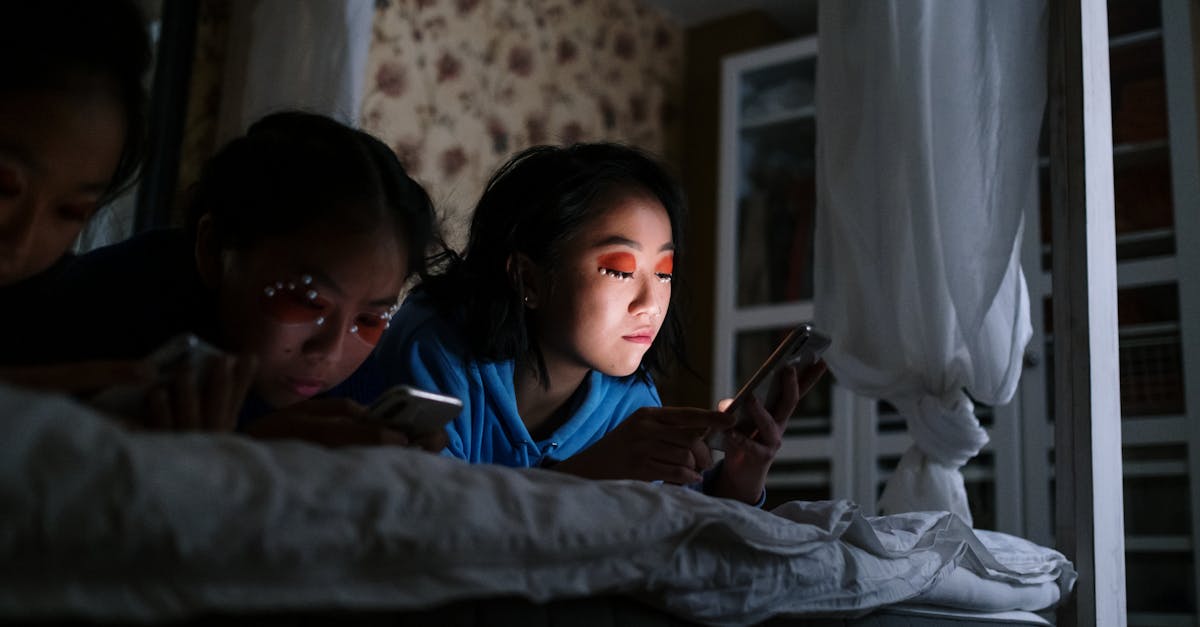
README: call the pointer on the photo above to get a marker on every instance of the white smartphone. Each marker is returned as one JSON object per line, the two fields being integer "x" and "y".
{"x": 413, "y": 411}
{"x": 801, "y": 348}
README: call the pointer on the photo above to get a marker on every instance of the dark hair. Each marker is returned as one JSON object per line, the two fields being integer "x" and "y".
{"x": 53, "y": 45}
{"x": 532, "y": 205}
{"x": 292, "y": 170}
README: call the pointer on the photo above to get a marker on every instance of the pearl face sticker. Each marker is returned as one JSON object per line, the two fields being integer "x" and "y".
{"x": 297, "y": 302}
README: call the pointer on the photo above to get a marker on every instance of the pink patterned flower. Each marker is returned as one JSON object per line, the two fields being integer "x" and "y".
{"x": 391, "y": 79}
{"x": 637, "y": 108}
{"x": 608, "y": 112}
{"x": 520, "y": 61}
{"x": 624, "y": 46}
{"x": 448, "y": 67}
{"x": 453, "y": 160}
{"x": 662, "y": 37}
{"x": 408, "y": 151}
{"x": 567, "y": 51}
{"x": 499, "y": 136}
{"x": 536, "y": 127}
{"x": 572, "y": 133}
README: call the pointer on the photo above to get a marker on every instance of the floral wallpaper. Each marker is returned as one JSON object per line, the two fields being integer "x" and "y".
{"x": 457, "y": 86}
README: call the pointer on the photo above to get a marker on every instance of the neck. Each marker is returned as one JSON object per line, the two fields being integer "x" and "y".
{"x": 539, "y": 404}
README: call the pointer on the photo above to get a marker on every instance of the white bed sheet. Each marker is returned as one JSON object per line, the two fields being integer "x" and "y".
{"x": 111, "y": 525}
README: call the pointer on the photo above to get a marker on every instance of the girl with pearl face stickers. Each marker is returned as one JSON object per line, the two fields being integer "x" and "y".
{"x": 553, "y": 321}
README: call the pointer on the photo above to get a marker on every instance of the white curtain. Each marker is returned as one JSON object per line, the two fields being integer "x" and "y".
{"x": 297, "y": 54}
{"x": 928, "y": 119}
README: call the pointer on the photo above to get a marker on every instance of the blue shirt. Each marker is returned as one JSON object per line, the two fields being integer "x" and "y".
{"x": 426, "y": 350}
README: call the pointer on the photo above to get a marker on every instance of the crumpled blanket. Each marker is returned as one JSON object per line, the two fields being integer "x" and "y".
{"x": 106, "y": 524}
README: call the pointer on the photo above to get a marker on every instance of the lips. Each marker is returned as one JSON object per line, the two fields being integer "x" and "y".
{"x": 640, "y": 336}
{"x": 304, "y": 386}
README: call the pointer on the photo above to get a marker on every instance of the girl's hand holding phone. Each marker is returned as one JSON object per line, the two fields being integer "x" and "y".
{"x": 652, "y": 444}
{"x": 749, "y": 457}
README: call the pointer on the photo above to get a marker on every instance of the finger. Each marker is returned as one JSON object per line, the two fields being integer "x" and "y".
{"x": 789, "y": 396}
{"x": 244, "y": 370}
{"x": 217, "y": 413}
{"x": 703, "y": 455}
{"x": 668, "y": 473}
{"x": 158, "y": 409}
{"x": 434, "y": 442}
{"x": 735, "y": 441}
{"x": 767, "y": 429}
{"x": 187, "y": 400}
{"x": 674, "y": 456}
{"x": 724, "y": 404}
{"x": 392, "y": 437}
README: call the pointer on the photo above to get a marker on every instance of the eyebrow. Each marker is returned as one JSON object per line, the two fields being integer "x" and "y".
{"x": 326, "y": 281}
{"x": 618, "y": 240}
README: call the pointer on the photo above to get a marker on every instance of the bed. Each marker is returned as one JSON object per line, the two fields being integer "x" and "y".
{"x": 106, "y": 525}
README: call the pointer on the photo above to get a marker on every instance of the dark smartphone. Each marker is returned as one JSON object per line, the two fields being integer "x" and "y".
{"x": 801, "y": 349}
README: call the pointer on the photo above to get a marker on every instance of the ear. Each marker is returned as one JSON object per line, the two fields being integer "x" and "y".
{"x": 527, "y": 279}
{"x": 208, "y": 256}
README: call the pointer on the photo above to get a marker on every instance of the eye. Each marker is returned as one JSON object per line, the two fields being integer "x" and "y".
{"x": 616, "y": 274}
{"x": 665, "y": 269}
{"x": 369, "y": 327}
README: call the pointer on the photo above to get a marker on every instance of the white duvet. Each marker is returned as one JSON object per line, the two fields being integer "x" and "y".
{"x": 107, "y": 524}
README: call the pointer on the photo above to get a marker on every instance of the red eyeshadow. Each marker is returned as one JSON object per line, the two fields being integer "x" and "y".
{"x": 665, "y": 266}
{"x": 621, "y": 262}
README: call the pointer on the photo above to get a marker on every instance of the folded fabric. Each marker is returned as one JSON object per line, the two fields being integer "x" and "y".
{"x": 111, "y": 525}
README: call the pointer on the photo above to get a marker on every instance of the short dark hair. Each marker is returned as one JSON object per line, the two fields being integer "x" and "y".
{"x": 292, "y": 170}
{"x": 52, "y": 45}
{"x": 532, "y": 205}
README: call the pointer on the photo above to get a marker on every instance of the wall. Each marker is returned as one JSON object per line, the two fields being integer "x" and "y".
{"x": 457, "y": 86}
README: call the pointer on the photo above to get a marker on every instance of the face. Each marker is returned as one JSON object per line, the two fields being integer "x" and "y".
{"x": 605, "y": 305}
{"x": 309, "y": 305}
{"x": 58, "y": 152}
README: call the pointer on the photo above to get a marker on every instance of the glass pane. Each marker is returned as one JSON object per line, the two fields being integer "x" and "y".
{"x": 1131, "y": 16}
{"x": 776, "y": 201}
{"x": 778, "y": 90}
{"x": 776, "y": 186}
{"x": 1151, "y": 352}
{"x": 1139, "y": 94}
{"x": 1159, "y": 582}
{"x": 1156, "y": 505}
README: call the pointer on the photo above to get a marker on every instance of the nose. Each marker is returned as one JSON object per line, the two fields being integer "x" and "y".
{"x": 327, "y": 339}
{"x": 651, "y": 296}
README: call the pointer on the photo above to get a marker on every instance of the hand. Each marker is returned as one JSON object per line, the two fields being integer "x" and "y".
{"x": 336, "y": 422}
{"x": 749, "y": 457}
{"x": 79, "y": 378}
{"x": 652, "y": 444}
{"x": 177, "y": 404}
